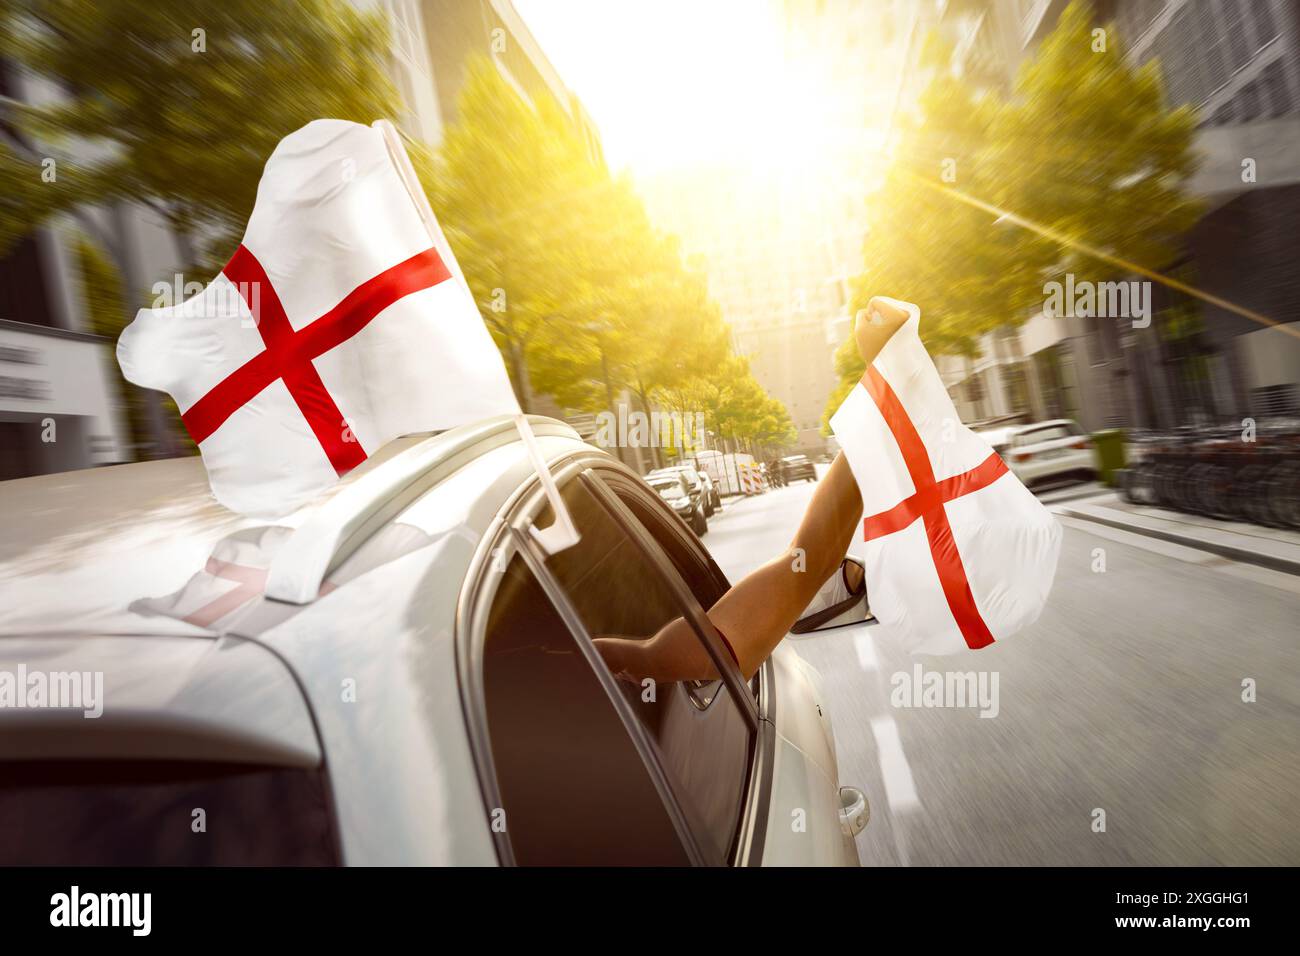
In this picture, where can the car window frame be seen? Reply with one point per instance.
(749, 846)
(507, 535)
(682, 594)
(671, 522)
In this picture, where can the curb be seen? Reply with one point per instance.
(1244, 555)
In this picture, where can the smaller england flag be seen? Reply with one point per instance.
(959, 553)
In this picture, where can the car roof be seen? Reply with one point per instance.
(389, 629)
(1045, 424)
(80, 547)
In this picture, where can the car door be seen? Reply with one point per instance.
(577, 766)
(796, 798)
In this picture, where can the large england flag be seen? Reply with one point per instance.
(341, 322)
(958, 552)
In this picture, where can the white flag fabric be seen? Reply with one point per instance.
(959, 553)
(339, 324)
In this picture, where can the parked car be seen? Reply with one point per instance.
(698, 484)
(1051, 451)
(998, 437)
(411, 679)
(673, 488)
(796, 467)
(710, 493)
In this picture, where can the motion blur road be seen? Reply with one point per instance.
(1126, 695)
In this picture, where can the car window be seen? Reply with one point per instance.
(696, 568)
(1048, 433)
(667, 487)
(53, 813)
(573, 787)
(703, 743)
(694, 565)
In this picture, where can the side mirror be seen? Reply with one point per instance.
(838, 602)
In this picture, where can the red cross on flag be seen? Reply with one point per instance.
(958, 552)
(340, 323)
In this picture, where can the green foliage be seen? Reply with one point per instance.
(150, 119)
(570, 275)
(1083, 146)
(1105, 162)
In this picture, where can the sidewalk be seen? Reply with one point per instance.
(1253, 544)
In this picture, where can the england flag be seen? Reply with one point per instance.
(340, 323)
(958, 552)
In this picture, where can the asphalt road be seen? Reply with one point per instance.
(1125, 697)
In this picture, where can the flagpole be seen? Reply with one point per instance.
(561, 533)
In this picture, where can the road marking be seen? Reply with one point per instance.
(866, 648)
(899, 787)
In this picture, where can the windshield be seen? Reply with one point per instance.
(690, 478)
(667, 487)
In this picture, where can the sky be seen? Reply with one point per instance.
(671, 83)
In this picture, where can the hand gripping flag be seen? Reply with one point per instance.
(959, 553)
(340, 323)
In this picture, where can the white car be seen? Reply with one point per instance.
(699, 484)
(1050, 451)
(411, 680)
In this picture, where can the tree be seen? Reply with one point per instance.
(174, 107)
(520, 198)
(1088, 148)
(735, 406)
(582, 295)
(1083, 148)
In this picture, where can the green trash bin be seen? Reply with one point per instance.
(1110, 453)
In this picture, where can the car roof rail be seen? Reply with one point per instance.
(340, 525)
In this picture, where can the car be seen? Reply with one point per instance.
(410, 680)
(710, 493)
(999, 438)
(698, 484)
(675, 490)
(794, 467)
(1050, 451)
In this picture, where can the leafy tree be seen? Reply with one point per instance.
(522, 200)
(1088, 148)
(581, 293)
(174, 107)
(177, 105)
(1083, 147)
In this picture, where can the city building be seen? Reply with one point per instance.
(58, 393)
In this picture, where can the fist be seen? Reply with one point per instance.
(874, 325)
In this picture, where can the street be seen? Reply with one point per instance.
(1123, 706)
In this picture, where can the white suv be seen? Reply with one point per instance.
(415, 683)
